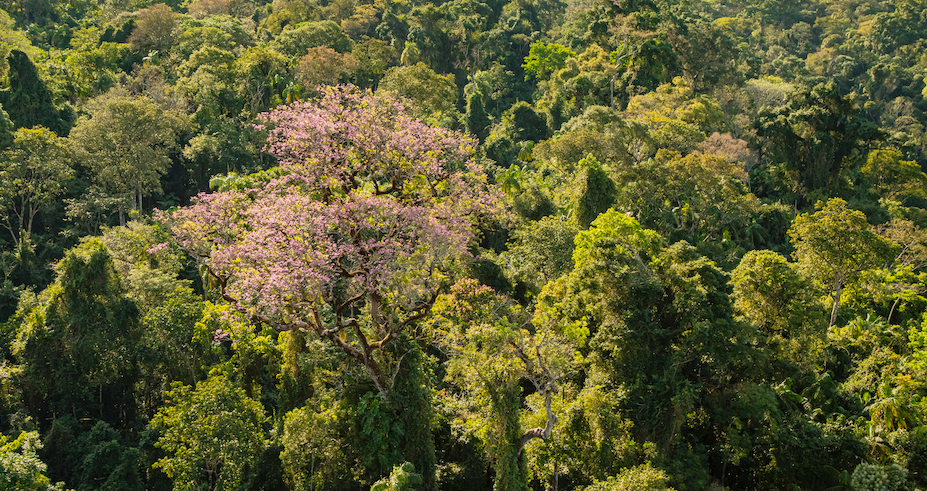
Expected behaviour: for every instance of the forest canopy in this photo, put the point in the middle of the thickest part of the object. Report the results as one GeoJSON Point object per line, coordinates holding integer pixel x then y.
{"type": "Point", "coordinates": [463, 245]}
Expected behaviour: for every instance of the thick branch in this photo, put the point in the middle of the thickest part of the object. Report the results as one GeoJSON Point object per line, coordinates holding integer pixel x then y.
{"type": "Point", "coordinates": [542, 433]}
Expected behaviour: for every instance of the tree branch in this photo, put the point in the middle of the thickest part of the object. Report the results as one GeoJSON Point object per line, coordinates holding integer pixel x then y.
{"type": "Point", "coordinates": [542, 433]}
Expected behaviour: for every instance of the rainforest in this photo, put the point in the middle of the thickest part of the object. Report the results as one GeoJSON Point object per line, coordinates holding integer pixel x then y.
{"type": "Point", "coordinates": [351, 245]}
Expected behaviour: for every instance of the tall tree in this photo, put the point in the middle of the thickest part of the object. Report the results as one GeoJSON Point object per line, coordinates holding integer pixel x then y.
{"type": "Point", "coordinates": [126, 144]}
{"type": "Point", "coordinates": [494, 348]}
{"type": "Point", "coordinates": [33, 173]}
{"type": "Point", "coordinates": [77, 345]}
{"type": "Point", "coordinates": [368, 213]}
{"type": "Point", "coordinates": [352, 237]}
{"type": "Point", "coordinates": [835, 244]}
{"type": "Point", "coordinates": [816, 135]}
{"type": "Point", "coordinates": [28, 101]}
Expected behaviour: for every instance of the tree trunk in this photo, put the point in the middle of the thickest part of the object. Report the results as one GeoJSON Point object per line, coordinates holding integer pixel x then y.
{"type": "Point", "coordinates": [894, 306]}
{"type": "Point", "coordinates": [833, 313]}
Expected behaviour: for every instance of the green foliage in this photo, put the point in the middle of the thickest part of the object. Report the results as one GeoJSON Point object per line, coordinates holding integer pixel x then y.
{"type": "Point", "coordinates": [698, 198]}
{"type": "Point", "coordinates": [104, 461]}
{"type": "Point", "coordinates": [815, 138]}
{"type": "Point", "coordinates": [210, 433]}
{"type": "Point", "coordinates": [493, 350]}
{"type": "Point", "coordinates": [869, 477]}
{"type": "Point", "coordinates": [541, 251]}
{"type": "Point", "coordinates": [638, 478]}
{"type": "Point", "coordinates": [239, 347]}
{"type": "Point", "coordinates": [476, 121]}
{"type": "Point", "coordinates": [524, 123]}
{"type": "Point", "coordinates": [6, 130]}
{"type": "Point", "coordinates": [155, 30]}
{"type": "Point", "coordinates": [545, 58]}
{"type": "Point", "coordinates": [914, 447]}
{"type": "Point", "coordinates": [598, 131]}
{"type": "Point", "coordinates": [259, 72]}
{"type": "Point", "coordinates": [311, 456]}
{"type": "Point", "coordinates": [125, 144]}
{"type": "Point", "coordinates": [770, 293]}
{"type": "Point", "coordinates": [20, 466]}
{"type": "Point", "coordinates": [576, 85]}
{"type": "Point", "coordinates": [28, 101]}
{"type": "Point", "coordinates": [593, 441]}
{"type": "Point", "coordinates": [431, 97]}
{"type": "Point", "coordinates": [917, 341]}
{"type": "Point", "coordinates": [34, 173]}
{"type": "Point", "coordinates": [596, 192]}
{"type": "Point", "coordinates": [614, 236]}
{"type": "Point", "coordinates": [835, 244]}
{"type": "Point", "coordinates": [78, 343]}
{"type": "Point", "coordinates": [892, 177]}
{"type": "Point", "coordinates": [402, 478]}
{"type": "Point", "coordinates": [297, 40]}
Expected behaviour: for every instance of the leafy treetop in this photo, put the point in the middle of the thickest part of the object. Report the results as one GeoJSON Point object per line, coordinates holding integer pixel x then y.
{"type": "Point", "coordinates": [355, 232]}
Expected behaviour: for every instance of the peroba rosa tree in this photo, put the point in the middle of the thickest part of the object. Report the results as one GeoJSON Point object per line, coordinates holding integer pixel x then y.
{"type": "Point", "coordinates": [352, 239]}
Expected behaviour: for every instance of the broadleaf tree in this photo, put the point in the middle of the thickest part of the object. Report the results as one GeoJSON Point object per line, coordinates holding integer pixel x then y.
{"type": "Point", "coordinates": [352, 240]}
{"type": "Point", "coordinates": [126, 143]}
{"type": "Point", "coordinates": [33, 173]}
{"type": "Point", "coordinates": [835, 244]}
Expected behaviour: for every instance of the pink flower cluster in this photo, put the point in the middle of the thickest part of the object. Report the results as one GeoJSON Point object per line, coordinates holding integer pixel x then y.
{"type": "Point", "coordinates": [369, 202]}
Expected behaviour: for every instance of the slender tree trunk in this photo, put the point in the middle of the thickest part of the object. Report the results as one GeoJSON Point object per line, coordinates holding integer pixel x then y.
{"type": "Point", "coordinates": [9, 227]}
{"type": "Point", "coordinates": [32, 212]}
{"type": "Point", "coordinates": [894, 306]}
{"type": "Point", "coordinates": [833, 313]}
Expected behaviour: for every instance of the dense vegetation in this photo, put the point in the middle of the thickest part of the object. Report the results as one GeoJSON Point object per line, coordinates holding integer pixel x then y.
{"type": "Point", "coordinates": [394, 244]}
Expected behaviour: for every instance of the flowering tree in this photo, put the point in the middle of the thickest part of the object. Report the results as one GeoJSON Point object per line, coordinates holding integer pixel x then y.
{"type": "Point", "coordinates": [356, 231]}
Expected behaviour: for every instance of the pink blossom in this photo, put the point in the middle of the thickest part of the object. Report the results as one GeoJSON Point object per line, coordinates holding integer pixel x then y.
{"type": "Point", "coordinates": [372, 208]}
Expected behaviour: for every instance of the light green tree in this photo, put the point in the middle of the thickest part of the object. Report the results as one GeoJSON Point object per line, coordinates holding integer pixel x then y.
{"type": "Point", "coordinates": [544, 58]}
{"type": "Point", "coordinates": [210, 434]}
{"type": "Point", "coordinates": [432, 96]}
{"type": "Point", "coordinates": [638, 478]}
{"type": "Point", "coordinates": [835, 244]}
{"type": "Point", "coordinates": [403, 478]}
{"type": "Point", "coordinates": [20, 466]}
{"type": "Point", "coordinates": [311, 455]}
{"type": "Point", "coordinates": [34, 172]}
{"type": "Point", "coordinates": [126, 144]}
{"type": "Point", "coordinates": [782, 304]}
{"type": "Point", "coordinates": [494, 348]}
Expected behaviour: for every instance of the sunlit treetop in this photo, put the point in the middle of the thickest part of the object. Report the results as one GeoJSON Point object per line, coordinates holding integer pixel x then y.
{"type": "Point", "coordinates": [352, 142]}
{"type": "Point", "coordinates": [353, 235]}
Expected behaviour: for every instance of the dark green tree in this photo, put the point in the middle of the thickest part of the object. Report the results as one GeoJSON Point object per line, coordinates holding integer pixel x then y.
{"type": "Point", "coordinates": [814, 138]}
{"type": "Point", "coordinates": [477, 122]}
{"type": "Point", "coordinates": [596, 191]}
{"type": "Point", "coordinates": [6, 129]}
{"type": "Point", "coordinates": [77, 345]}
{"type": "Point", "coordinates": [663, 335]}
{"type": "Point", "coordinates": [28, 101]}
